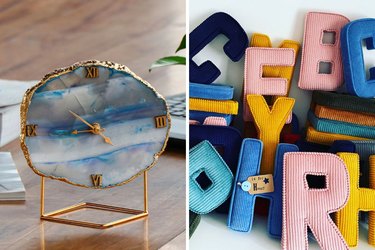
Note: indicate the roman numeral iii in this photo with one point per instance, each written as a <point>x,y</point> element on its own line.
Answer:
<point>161,121</point>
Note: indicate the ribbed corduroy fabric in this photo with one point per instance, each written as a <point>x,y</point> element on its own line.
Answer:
<point>344,102</point>
<point>211,91</point>
<point>364,149</point>
<point>288,120</point>
<point>304,207</point>
<point>241,212</point>
<point>223,107</point>
<point>218,121</point>
<point>200,116</point>
<point>345,116</point>
<point>274,71</point>
<point>240,217</point>
<point>269,124</point>
<point>338,127</point>
<point>262,40</point>
<point>216,24</point>
<point>305,146</point>
<point>315,51</point>
<point>371,219</point>
<point>254,82</point>
<point>353,34</point>
<point>204,158</point>
<point>324,138</point>
<point>226,139</point>
<point>361,199</point>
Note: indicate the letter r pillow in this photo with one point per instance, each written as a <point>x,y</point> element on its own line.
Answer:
<point>305,206</point>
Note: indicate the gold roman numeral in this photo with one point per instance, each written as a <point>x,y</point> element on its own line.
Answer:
<point>31,130</point>
<point>161,121</point>
<point>97,180</point>
<point>92,72</point>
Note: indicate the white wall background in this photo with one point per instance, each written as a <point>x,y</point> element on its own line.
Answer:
<point>279,20</point>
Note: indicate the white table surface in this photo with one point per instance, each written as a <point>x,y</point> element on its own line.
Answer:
<point>213,233</point>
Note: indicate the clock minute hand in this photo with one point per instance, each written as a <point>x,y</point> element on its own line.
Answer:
<point>83,120</point>
<point>106,139</point>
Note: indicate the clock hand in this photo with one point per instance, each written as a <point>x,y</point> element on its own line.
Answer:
<point>106,139</point>
<point>86,131</point>
<point>82,131</point>
<point>96,129</point>
<point>83,120</point>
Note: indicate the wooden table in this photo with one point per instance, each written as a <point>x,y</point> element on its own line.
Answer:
<point>38,36</point>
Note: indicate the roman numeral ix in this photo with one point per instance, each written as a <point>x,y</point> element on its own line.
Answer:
<point>31,129</point>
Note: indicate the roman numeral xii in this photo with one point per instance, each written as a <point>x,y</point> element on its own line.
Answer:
<point>92,72</point>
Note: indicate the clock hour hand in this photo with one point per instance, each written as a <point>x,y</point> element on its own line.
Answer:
<point>82,131</point>
<point>87,131</point>
<point>83,120</point>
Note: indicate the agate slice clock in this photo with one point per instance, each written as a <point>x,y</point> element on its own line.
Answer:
<point>94,124</point>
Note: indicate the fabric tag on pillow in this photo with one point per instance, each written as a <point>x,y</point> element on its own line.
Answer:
<point>260,184</point>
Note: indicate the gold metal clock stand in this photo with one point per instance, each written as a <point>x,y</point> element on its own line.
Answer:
<point>135,214</point>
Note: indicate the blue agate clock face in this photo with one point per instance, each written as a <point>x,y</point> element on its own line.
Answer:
<point>93,124</point>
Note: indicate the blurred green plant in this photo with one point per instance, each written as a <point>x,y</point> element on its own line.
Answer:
<point>171,60</point>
